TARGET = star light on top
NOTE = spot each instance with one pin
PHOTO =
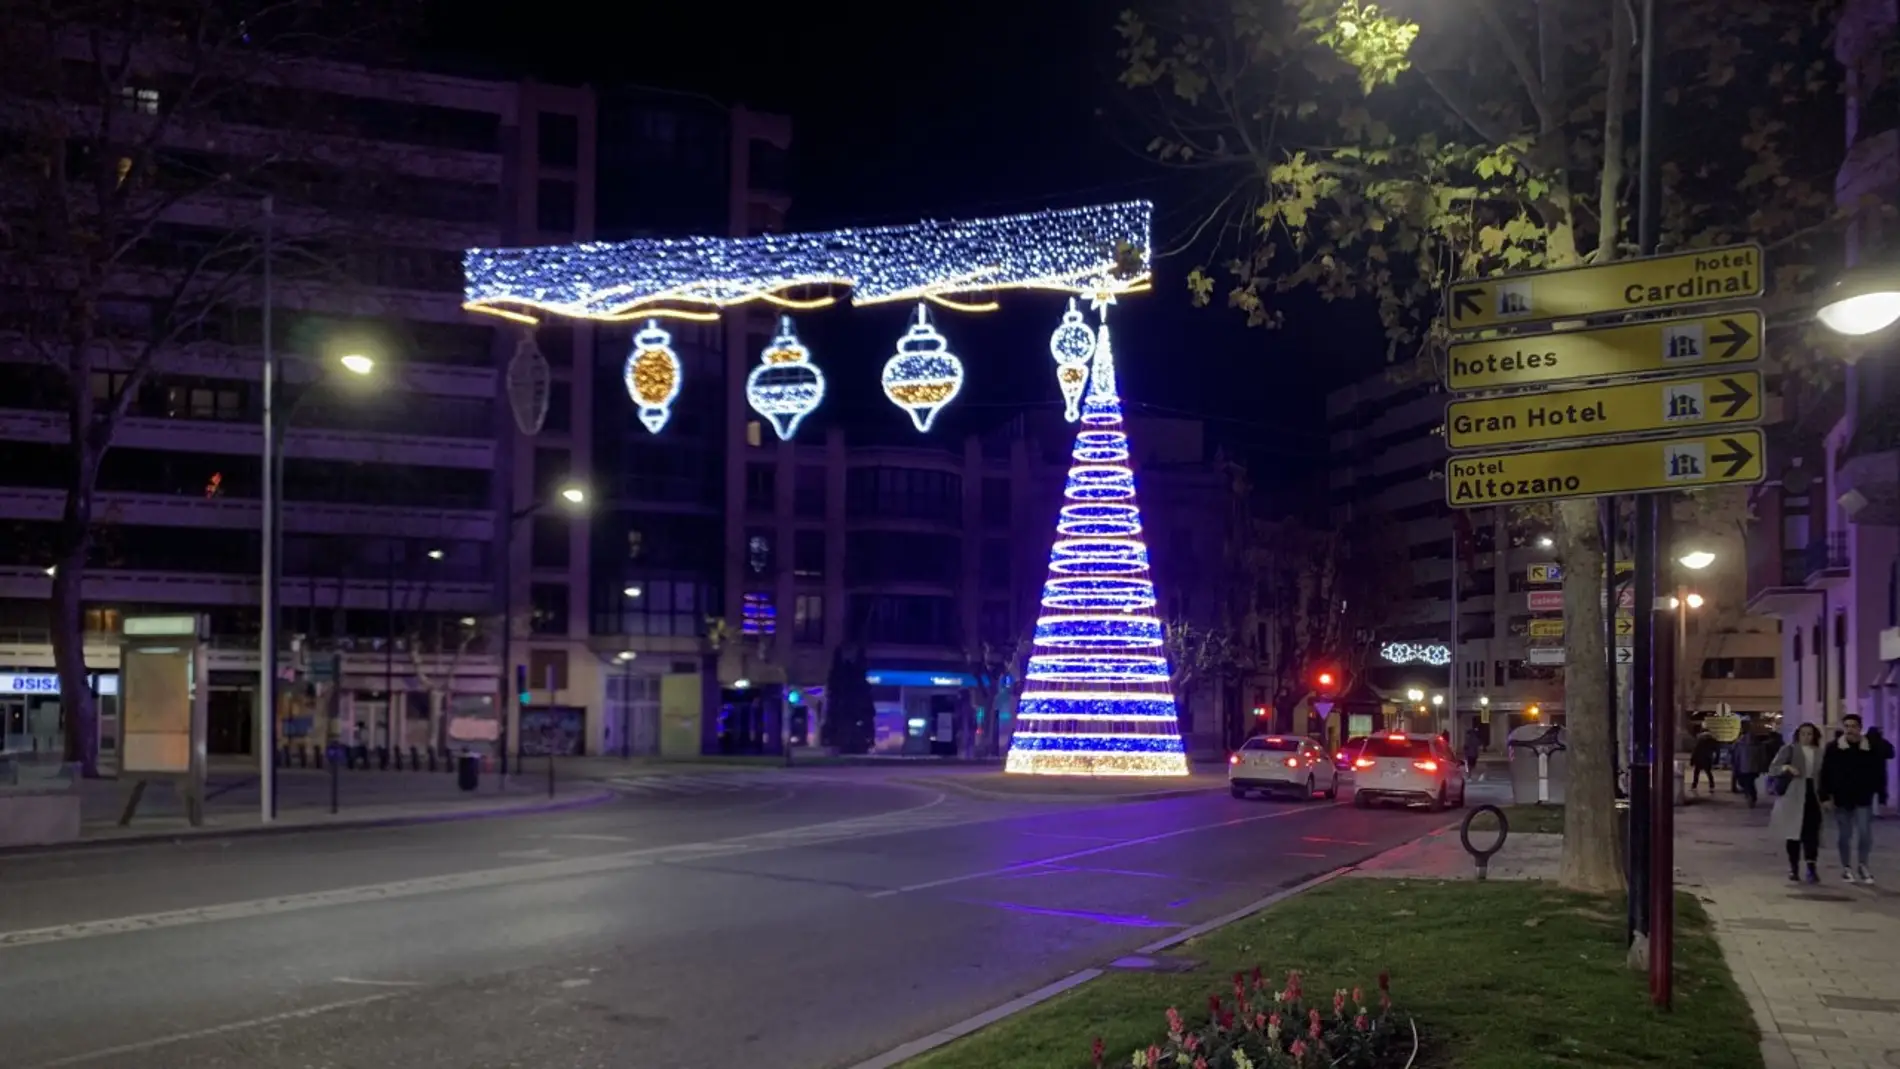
(1098, 251)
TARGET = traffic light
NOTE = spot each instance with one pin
(1326, 683)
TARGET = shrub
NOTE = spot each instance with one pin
(1266, 1029)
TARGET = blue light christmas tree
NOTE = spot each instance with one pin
(1096, 698)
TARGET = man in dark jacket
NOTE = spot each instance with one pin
(1745, 761)
(1852, 777)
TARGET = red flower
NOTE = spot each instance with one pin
(1213, 1005)
(1292, 985)
(1312, 1023)
(1200, 1063)
(1273, 1019)
(1358, 997)
(1226, 1019)
(1361, 1023)
(1154, 1055)
(1174, 1021)
(1192, 1043)
(1256, 976)
(1260, 1022)
(1385, 980)
(1339, 1003)
(1095, 1052)
(1298, 1049)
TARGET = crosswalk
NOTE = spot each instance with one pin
(686, 786)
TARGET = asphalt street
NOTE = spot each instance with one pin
(808, 920)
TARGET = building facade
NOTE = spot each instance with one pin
(1825, 534)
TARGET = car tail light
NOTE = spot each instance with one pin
(1427, 765)
(1396, 737)
(1340, 756)
(1363, 762)
(1233, 758)
(1292, 762)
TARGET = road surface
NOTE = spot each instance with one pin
(800, 920)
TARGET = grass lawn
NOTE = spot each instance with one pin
(1498, 975)
(1526, 820)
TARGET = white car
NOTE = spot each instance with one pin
(1281, 763)
(1408, 769)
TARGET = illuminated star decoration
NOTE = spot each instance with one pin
(1097, 697)
(786, 386)
(924, 375)
(1074, 250)
(653, 375)
(1409, 653)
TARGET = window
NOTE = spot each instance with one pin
(808, 493)
(200, 401)
(1274, 745)
(547, 614)
(558, 139)
(996, 502)
(808, 619)
(761, 486)
(758, 552)
(1738, 668)
(904, 618)
(557, 344)
(904, 493)
(995, 562)
(758, 615)
(549, 538)
(547, 669)
(808, 554)
(560, 408)
(554, 206)
(872, 557)
(142, 101)
(551, 467)
(1386, 746)
(665, 607)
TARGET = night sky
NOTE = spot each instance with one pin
(983, 107)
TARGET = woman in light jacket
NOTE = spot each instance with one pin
(1797, 815)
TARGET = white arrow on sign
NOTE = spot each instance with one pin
(1625, 655)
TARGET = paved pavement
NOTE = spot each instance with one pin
(1816, 962)
(826, 918)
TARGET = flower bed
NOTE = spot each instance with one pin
(1263, 1028)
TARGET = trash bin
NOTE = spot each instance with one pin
(468, 771)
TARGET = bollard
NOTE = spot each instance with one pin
(1483, 857)
(382, 758)
(316, 757)
(303, 756)
(362, 754)
(415, 763)
(432, 759)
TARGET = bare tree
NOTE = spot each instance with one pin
(1195, 653)
(997, 666)
(126, 229)
(1328, 593)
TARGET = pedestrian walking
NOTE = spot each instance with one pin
(1702, 761)
(1885, 750)
(1474, 745)
(1852, 778)
(1796, 819)
(1745, 760)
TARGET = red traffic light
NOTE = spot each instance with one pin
(1325, 679)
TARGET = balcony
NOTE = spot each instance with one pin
(211, 588)
(1826, 561)
(246, 439)
(300, 517)
(365, 663)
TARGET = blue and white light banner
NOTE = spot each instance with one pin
(47, 683)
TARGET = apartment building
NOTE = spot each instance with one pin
(390, 485)
(1825, 536)
(1505, 666)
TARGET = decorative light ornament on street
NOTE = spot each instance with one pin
(653, 375)
(925, 375)
(530, 385)
(1071, 345)
(1415, 653)
(1865, 300)
(786, 386)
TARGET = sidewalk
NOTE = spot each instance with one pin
(1820, 964)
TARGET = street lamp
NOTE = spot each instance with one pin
(1865, 300)
(436, 554)
(633, 591)
(1414, 695)
(1696, 559)
(573, 496)
(357, 363)
(1545, 542)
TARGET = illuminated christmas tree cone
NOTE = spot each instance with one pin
(1096, 699)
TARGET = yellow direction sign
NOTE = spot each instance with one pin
(1625, 627)
(1612, 468)
(1706, 276)
(1557, 415)
(1689, 343)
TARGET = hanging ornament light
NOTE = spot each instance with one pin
(1072, 344)
(653, 375)
(530, 385)
(925, 375)
(786, 386)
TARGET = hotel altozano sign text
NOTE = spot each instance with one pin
(1612, 468)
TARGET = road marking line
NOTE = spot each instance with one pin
(910, 1050)
(218, 1030)
(375, 983)
(1009, 870)
(478, 879)
(579, 838)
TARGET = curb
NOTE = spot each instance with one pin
(897, 1056)
(948, 783)
(255, 831)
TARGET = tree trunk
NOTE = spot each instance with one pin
(1590, 861)
(78, 709)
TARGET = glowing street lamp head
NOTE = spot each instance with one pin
(574, 495)
(436, 554)
(1864, 301)
(1414, 695)
(633, 591)
(357, 363)
(1696, 559)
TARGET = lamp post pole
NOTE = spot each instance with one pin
(267, 601)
